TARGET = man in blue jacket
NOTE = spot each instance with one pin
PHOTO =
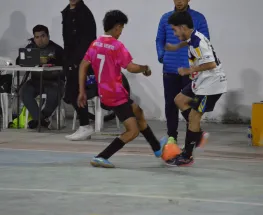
(172, 81)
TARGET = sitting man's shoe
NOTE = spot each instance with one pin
(83, 133)
(32, 124)
(46, 123)
(180, 160)
(101, 162)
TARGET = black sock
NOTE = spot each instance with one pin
(191, 140)
(115, 146)
(151, 139)
(186, 114)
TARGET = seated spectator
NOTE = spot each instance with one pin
(50, 53)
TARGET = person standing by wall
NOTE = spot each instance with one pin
(172, 61)
(79, 31)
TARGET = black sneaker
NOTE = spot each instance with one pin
(46, 124)
(180, 160)
(32, 124)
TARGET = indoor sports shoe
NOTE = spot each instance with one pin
(83, 133)
(171, 140)
(180, 160)
(163, 142)
(101, 162)
(203, 141)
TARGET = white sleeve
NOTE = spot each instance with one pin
(204, 53)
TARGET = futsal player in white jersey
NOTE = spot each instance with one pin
(208, 83)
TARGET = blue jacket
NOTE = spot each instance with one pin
(174, 60)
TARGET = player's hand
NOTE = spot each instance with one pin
(147, 72)
(184, 71)
(170, 47)
(82, 100)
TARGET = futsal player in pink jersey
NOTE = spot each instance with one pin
(107, 56)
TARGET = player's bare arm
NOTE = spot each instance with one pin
(136, 68)
(203, 67)
(200, 68)
(172, 47)
(83, 69)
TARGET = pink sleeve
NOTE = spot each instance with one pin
(124, 57)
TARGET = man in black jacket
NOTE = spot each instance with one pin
(50, 53)
(79, 31)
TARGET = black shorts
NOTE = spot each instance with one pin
(124, 111)
(187, 91)
(200, 103)
(203, 104)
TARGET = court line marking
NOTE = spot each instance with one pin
(120, 154)
(133, 196)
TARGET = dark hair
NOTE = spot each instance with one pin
(112, 18)
(39, 28)
(181, 18)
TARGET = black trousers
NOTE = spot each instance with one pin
(30, 90)
(72, 92)
(173, 85)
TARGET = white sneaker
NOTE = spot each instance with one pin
(81, 134)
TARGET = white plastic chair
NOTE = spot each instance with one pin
(99, 116)
(6, 111)
(62, 114)
(4, 97)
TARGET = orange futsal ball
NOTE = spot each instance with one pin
(170, 151)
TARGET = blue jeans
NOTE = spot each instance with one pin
(173, 85)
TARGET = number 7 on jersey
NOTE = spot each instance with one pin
(102, 61)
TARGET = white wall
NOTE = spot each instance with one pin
(236, 33)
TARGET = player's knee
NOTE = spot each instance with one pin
(141, 119)
(132, 134)
(132, 130)
(179, 100)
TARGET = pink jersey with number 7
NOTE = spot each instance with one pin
(107, 56)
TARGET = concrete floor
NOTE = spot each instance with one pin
(43, 174)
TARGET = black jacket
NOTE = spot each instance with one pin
(54, 54)
(79, 31)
